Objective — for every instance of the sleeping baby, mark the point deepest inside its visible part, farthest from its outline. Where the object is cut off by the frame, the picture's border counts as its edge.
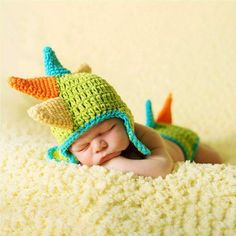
(94, 126)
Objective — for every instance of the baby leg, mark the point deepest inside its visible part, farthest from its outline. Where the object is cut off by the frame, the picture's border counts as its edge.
(206, 154)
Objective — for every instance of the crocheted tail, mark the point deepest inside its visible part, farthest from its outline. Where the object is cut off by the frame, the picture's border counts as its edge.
(150, 122)
(164, 115)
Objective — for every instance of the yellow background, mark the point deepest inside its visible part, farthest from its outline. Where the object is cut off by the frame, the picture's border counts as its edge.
(146, 49)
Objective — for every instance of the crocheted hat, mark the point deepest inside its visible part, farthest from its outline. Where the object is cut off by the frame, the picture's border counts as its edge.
(74, 103)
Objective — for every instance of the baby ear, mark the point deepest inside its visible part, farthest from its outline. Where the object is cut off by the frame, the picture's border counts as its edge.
(52, 112)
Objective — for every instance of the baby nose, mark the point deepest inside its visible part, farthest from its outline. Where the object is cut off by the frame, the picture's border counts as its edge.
(100, 145)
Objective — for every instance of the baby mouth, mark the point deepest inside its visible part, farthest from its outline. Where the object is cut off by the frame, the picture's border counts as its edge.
(109, 156)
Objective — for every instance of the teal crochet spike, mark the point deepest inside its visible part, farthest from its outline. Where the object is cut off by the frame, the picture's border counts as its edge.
(150, 122)
(51, 63)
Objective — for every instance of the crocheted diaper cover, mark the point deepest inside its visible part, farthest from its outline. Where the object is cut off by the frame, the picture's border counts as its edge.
(185, 138)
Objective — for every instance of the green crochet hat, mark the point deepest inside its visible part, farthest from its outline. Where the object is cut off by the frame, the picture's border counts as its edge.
(75, 102)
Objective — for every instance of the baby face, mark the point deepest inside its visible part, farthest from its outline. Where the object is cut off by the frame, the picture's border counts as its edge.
(101, 143)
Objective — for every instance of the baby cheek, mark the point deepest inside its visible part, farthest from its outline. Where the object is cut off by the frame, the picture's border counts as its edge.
(123, 136)
(85, 159)
(120, 140)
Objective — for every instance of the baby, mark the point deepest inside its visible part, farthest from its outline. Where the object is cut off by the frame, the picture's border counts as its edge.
(94, 126)
(108, 145)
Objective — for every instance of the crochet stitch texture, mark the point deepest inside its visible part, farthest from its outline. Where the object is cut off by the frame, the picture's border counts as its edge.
(74, 103)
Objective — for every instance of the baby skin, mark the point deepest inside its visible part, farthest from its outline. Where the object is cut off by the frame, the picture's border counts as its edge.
(107, 144)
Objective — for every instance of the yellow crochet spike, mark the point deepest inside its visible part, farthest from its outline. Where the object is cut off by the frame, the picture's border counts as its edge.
(40, 88)
(52, 112)
(84, 68)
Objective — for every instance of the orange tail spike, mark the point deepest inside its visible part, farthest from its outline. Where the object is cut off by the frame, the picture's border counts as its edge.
(41, 88)
(164, 115)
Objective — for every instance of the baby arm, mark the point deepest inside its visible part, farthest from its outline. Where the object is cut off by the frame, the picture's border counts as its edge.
(159, 163)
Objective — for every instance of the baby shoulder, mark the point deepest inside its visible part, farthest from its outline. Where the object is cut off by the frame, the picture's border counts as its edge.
(148, 136)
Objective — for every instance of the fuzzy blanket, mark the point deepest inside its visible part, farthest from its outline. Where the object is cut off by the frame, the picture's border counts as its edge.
(146, 49)
(41, 197)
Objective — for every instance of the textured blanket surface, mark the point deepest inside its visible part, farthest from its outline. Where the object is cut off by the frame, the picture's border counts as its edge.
(145, 49)
(40, 197)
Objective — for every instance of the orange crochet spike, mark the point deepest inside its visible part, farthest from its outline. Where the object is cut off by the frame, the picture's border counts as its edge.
(164, 115)
(41, 88)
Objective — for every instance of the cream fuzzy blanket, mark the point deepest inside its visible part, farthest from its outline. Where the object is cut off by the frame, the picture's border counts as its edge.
(41, 197)
(146, 49)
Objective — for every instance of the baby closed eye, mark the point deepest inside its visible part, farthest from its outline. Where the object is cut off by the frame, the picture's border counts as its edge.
(106, 130)
(84, 147)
